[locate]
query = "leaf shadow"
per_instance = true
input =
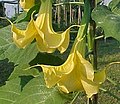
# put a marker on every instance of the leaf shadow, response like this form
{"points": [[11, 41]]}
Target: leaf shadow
{"points": [[6, 68], [25, 80], [46, 59]]}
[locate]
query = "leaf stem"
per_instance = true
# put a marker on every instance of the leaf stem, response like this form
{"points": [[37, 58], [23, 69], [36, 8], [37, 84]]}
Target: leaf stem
{"points": [[75, 98], [93, 46]]}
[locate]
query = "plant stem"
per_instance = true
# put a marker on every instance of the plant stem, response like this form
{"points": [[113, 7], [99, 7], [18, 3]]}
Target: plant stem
{"points": [[93, 56], [89, 101], [92, 25], [95, 97], [75, 98], [94, 49]]}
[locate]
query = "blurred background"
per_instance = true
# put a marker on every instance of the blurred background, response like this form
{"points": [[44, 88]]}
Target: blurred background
{"points": [[11, 8]]}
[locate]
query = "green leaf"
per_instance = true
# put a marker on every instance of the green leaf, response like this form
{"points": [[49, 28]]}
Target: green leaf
{"points": [[35, 92], [20, 71], [41, 58], [9, 50], [47, 59], [10, 91], [21, 17], [23, 58], [28, 90], [6, 69], [20, 58], [109, 21], [115, 6]]}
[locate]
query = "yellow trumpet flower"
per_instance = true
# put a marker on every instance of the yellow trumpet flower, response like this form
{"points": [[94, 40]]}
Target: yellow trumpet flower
{"points": [[76, 74], [41, 29], [26, 4]]}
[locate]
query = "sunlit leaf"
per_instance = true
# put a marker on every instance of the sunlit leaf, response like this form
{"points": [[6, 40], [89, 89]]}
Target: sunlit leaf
{"points": [[109, 21], [19, 58], [35, 92], [28, 90], [41, 58], [10, 92], [20, 71], [13, 53], [23, 58]]}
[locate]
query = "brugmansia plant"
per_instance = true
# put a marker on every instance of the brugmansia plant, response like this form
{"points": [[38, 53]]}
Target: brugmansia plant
{"points": [[41, 30], [61, 83]]}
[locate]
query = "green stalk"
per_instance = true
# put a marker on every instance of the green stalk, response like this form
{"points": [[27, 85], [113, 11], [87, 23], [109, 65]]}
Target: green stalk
{"points": [[75, 98], [82, 32], [88, 6], [92, 48]]}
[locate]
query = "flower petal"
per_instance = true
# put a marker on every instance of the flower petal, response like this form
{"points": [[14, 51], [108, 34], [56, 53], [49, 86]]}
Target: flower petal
{"points": [[53, 39], [70, 82], [86, 67], [27, 4], [89, 86], [65, 43], [41, 44], [76, 74], [100, 76], [24, 37], [50, 78], [54, 73]]}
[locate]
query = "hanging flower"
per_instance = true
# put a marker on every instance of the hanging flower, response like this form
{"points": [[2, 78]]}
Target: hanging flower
{"points": [[27, 4], [76, 74], [41, 29]]}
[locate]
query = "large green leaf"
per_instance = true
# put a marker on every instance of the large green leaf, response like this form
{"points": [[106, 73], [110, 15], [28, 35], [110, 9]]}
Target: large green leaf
{"points": [[19, 58], [35, 92], [9, 50], [19, 90], [22, 58], [10, 91], [109, 21], [31, 91], [6, 67], [20, 71], [41, 58]]}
